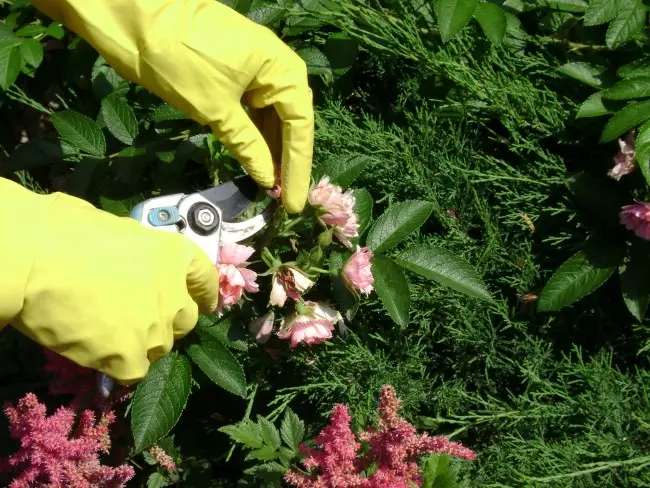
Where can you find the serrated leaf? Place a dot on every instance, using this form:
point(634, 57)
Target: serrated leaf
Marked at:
point(492, 20)
point(270, 434)
point(166, 111)
point(584, 72)
point(392, 288)
point(625, 120)
point(267, 471)
point(580, 275)
point(445, 268)
point(635, 69)
point(396, 223)
point(105, 79)
point(160, 399)
point(121, 208)
point(594, 106)
point(220, 366)
point(317, 62)
point(211, 328)
point(635, 280)
point(119, 118)
point(565, 5)
point(642, 144)
point(267, 14)
point(9, 62)
point(341, 52)
point(31, 51)
point(343, 170)
point(627, 24)
point(438, 472)
point(80, 131)
point(31, 30)
point(363, 208)
point(39, 152)
point(246, 433)
point(453, 15)
point(55, 30)
point(262, 454)
point(600, 12)
point(6, 32)
point(292, 429)
point(601, 197)
point(628, 89)
point(156, 480)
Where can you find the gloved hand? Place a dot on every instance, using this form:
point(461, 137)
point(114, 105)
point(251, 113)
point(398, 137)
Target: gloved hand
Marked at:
point(104, 291)
point(204, 58)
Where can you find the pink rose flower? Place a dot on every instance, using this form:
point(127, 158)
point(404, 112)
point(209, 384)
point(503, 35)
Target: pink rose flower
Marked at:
point(637, 218)
point(262, 328)
point(624, 160)
point(338, 209)
point(288, 282)
point(312, 326)
point(234, 277)
point(358, 270)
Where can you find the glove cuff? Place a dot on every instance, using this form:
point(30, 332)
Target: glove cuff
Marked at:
point(22, 215)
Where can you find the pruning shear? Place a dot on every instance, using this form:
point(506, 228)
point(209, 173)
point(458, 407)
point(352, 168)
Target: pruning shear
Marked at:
point(206, 218)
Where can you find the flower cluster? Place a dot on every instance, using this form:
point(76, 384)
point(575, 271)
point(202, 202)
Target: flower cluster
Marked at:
point(311, 322)
point(395, 447)
point(624, 161)
point(162, 458)
point(52, 455)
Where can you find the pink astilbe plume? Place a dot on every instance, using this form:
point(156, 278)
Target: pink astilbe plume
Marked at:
point(68, 378)
point(394, 449)
point(53, 454)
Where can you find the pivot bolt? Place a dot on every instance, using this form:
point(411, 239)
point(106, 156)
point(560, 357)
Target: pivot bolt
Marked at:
point(203, 219)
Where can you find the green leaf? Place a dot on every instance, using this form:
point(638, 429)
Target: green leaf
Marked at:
point(55, 30)
point(625, 120)
point(246, 432)
point(105, 79)
point(39, 152)
point(594, 106)
point(438, 472)
point(392, 288)
point(267, 14)
point(263, 454)
point(121, 208)
point(317, 62)
point(642, 144)
point(363, 208)
point(627, 89)
point(211, 328)
point(446, 268)
point(292, 429)
point(31, 30)
point(119, 118)
point(6, 32)
point(348, 302)
point(627, 24)
point(220, 366)
point(343, 170)
point(80, 131)
point(492, 20)
point(584, 72)
point(565, 5)
point(396, 223)
point(9, 62)
point(581, 275)
point(156, 480)
point(267, 471)
point(601, 197)
point(32, 52)
point(453, 15)
point(341, 51)
point(635, 280)
point(639, 68)
point(160, 399)
point(270, 434)
point(600, 11)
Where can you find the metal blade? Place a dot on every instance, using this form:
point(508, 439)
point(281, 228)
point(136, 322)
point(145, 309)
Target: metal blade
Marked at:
point(239, 231)
point(234, 197)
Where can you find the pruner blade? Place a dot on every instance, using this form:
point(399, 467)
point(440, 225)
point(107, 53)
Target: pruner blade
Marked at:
point(240, 231)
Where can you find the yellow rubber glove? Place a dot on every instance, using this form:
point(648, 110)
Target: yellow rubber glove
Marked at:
point(204, 58)
point(104, 291)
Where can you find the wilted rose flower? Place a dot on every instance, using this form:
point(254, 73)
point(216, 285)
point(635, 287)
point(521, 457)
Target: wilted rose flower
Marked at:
point(234, 277)
point(262, 327)
point(311, 326)
point(338, 209)
point(624, 160)
point(288, 282)
point(637, 218)
point(358, 270)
